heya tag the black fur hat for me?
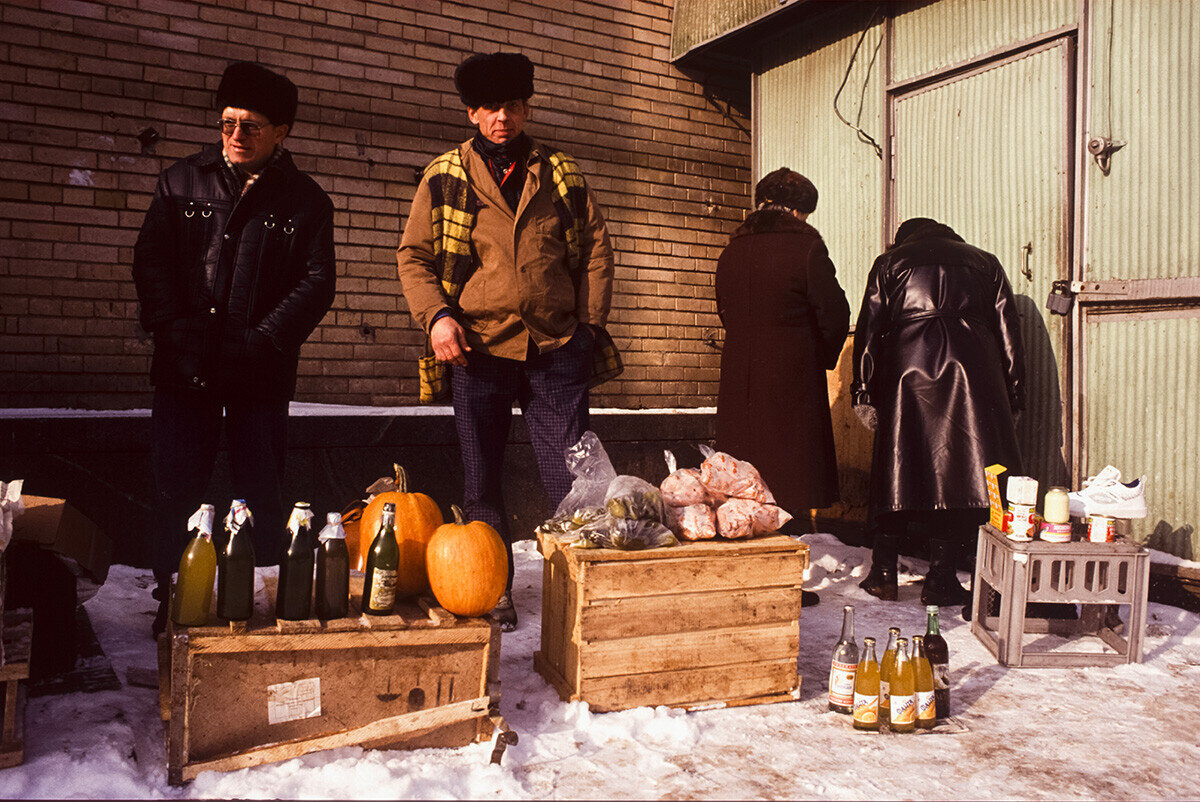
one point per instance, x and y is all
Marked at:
(251, 86)
(494, 78)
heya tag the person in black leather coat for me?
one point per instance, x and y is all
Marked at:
(234, 268)
(939, 374)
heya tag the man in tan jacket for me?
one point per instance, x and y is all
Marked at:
(506, 264)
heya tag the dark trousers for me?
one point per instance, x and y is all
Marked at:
(186, 430)
(912, 530)
(552, 392)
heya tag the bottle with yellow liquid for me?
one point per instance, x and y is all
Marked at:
(885, 676)
(866, 689)
(197, 571)
(903, 699)
(926, 709)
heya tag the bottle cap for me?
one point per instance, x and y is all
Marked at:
(301, 517)
(333, 528)
(202, 519)
(239, 515)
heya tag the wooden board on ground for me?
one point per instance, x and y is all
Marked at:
(697, 625)
(14, 667)
(261, 691)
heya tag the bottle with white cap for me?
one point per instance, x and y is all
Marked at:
(333, 570)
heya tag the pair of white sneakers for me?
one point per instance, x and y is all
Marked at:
(1106, 494)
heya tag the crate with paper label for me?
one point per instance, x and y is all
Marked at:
(702, 624)
(246, 693)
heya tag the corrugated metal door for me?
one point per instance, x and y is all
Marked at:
(987, 151)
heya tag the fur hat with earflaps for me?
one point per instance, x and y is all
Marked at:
(251, 86)
(487, 78)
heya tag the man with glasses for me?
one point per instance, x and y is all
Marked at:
(234, 268)
(506, 264)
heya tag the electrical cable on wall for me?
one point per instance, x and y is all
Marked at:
(863, 136)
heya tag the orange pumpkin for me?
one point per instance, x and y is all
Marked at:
(467, 565)
(417, 517)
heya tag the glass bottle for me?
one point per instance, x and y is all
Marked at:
(333, 570)
(383, 560)
(294, 600)
(939, 659)
(235, 577)
(926, 711)
(902, 701)
(866, 689)
(845, 664)
(192, 598)
(885, 675)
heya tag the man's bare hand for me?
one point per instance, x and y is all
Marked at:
(449, 341)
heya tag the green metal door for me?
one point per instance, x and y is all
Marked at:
(987, 151)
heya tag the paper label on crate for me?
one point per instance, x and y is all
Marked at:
(291, 701)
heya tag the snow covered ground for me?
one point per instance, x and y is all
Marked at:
(1127, 732)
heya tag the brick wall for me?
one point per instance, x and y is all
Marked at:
(80, 81)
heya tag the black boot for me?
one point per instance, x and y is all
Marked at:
(880, 582)
(505, 613)
(941, 583)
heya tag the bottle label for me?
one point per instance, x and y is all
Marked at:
(903, 709)
(866, 708)
(941, 676)
(383, 590)
(925, 707)
(841, 683)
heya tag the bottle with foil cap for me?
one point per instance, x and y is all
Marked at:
(235, 564)
(294, 601)
(383, 562)
(193, 591)
(333, 570)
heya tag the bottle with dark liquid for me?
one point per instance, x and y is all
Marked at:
(235, 563)
(192, 595)
(333, 570)
(294, 600)
(383, 561)
(939, 658)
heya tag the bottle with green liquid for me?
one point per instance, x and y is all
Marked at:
(197, 570)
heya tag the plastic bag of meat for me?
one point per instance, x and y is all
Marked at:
(697, 522)
(741, 517)
(725, 477)
(682, 487)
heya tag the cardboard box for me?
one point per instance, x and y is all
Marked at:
(54, 524)
(704, 624)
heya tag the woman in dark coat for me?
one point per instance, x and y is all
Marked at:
(786, 320)
(939, 374)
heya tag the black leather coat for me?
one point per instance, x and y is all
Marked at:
(231, 288)
(938, 353)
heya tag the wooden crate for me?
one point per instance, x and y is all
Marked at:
(244, 694)
(698, 625)
(14, 667)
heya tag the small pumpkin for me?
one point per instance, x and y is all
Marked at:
(467, 566)
(417, 517)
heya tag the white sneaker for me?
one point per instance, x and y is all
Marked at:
(1106, 494)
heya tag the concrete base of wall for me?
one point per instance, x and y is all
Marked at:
(100, 462)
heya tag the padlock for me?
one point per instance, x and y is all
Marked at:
(1061, 299)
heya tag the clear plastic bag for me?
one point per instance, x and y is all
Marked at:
(629, 534)
(726, 477)
(634, 499)
(696, 522)
(588, 462)
(683, 487)
(741, 517)
(566, 527)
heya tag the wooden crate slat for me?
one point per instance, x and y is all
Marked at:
(621, 579)
(698, 548)
(474, 632)
(710, 647)
(694, 686)
(634, 616)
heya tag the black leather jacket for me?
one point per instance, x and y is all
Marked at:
(231, 287)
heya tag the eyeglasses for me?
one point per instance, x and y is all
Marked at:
(250, 129)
